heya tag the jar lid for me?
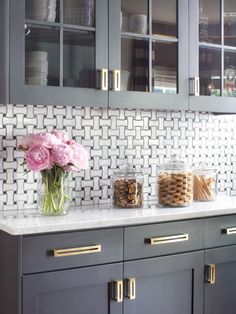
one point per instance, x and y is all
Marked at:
(127, 169)
(175, 164)
(203, 168)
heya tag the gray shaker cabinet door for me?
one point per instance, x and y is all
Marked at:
(125, 48)
(220, 297)
(64, 92)
(78, 291)
(167, 285)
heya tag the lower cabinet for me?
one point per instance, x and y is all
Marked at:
(166, 285)
(220, 285)
(77, 291)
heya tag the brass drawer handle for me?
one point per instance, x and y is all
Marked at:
(77, 251)
(168, 239)
(104, 79)
(116, 80)
(211, 274)
(130, 288)
(229, 231)
(117, 291)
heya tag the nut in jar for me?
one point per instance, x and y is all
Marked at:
(175, 184)
(127, 188)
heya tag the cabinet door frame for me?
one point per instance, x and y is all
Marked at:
(55, 95)
(165, 264)
(149, 100)
(217, 256)
(36, 284)
(219, 104)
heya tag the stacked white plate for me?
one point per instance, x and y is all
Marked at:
(79, 12)
(44, 10)
(37, 68)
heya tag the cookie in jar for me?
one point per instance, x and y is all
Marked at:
(127, 185)
(175, 184)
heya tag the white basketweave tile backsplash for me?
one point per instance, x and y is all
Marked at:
(144, 138)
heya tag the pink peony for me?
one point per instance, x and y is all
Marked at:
(79, 158)
(61, 154)
(26, 142)
(61, 135)
(38, 158)
(45, 139)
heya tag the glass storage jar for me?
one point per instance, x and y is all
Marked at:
(127, 185)
(204, 183)
(175, 184)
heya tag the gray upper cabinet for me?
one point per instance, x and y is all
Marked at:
(57, 52)
(148, 54)
(212, 47)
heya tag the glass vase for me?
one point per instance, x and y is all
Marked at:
(53, 192)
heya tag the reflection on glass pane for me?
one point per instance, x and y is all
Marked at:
(209, 71)
(42, 56)
(230, 22)
(79, 59)
(165, 67)
(134, 65)
(134, 16)
(164, 17)
(209, 21)
(229, 74)
(79, 12)
(43, 10)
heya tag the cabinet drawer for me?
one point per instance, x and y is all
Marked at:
(72, 249)
(162, 239)
(220, 231)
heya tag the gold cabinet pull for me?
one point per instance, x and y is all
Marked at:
(104, 79)
(116, 80)
(168, 239)
(194, 84)
(130, 288)
(211, 274)
(229, 231)
(117, 291)
(77, 251)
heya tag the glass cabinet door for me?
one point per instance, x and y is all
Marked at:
(213, 55)
(148, 49)
(61, 44)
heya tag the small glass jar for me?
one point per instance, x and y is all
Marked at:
(175, 184)
(127, 185)
(204, 183)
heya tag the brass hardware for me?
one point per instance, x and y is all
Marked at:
(117, 291)
(130, 288)
(194, 85)
(229, 231)
(104, 79)
(211, 274)
(77, 251)
(116, 80)
(168, 239)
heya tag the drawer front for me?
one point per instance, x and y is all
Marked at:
(73, 249)
(220, 231)
(163, 239)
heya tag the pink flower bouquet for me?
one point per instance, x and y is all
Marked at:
(54, 155)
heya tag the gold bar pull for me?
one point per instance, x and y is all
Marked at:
(104, 79)
(116, 80)
(130, 288)
(211, 274)
(77, 251)
(168, 239)
(229, 231)
(117, 291)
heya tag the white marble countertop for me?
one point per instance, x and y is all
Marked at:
(103, 216)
